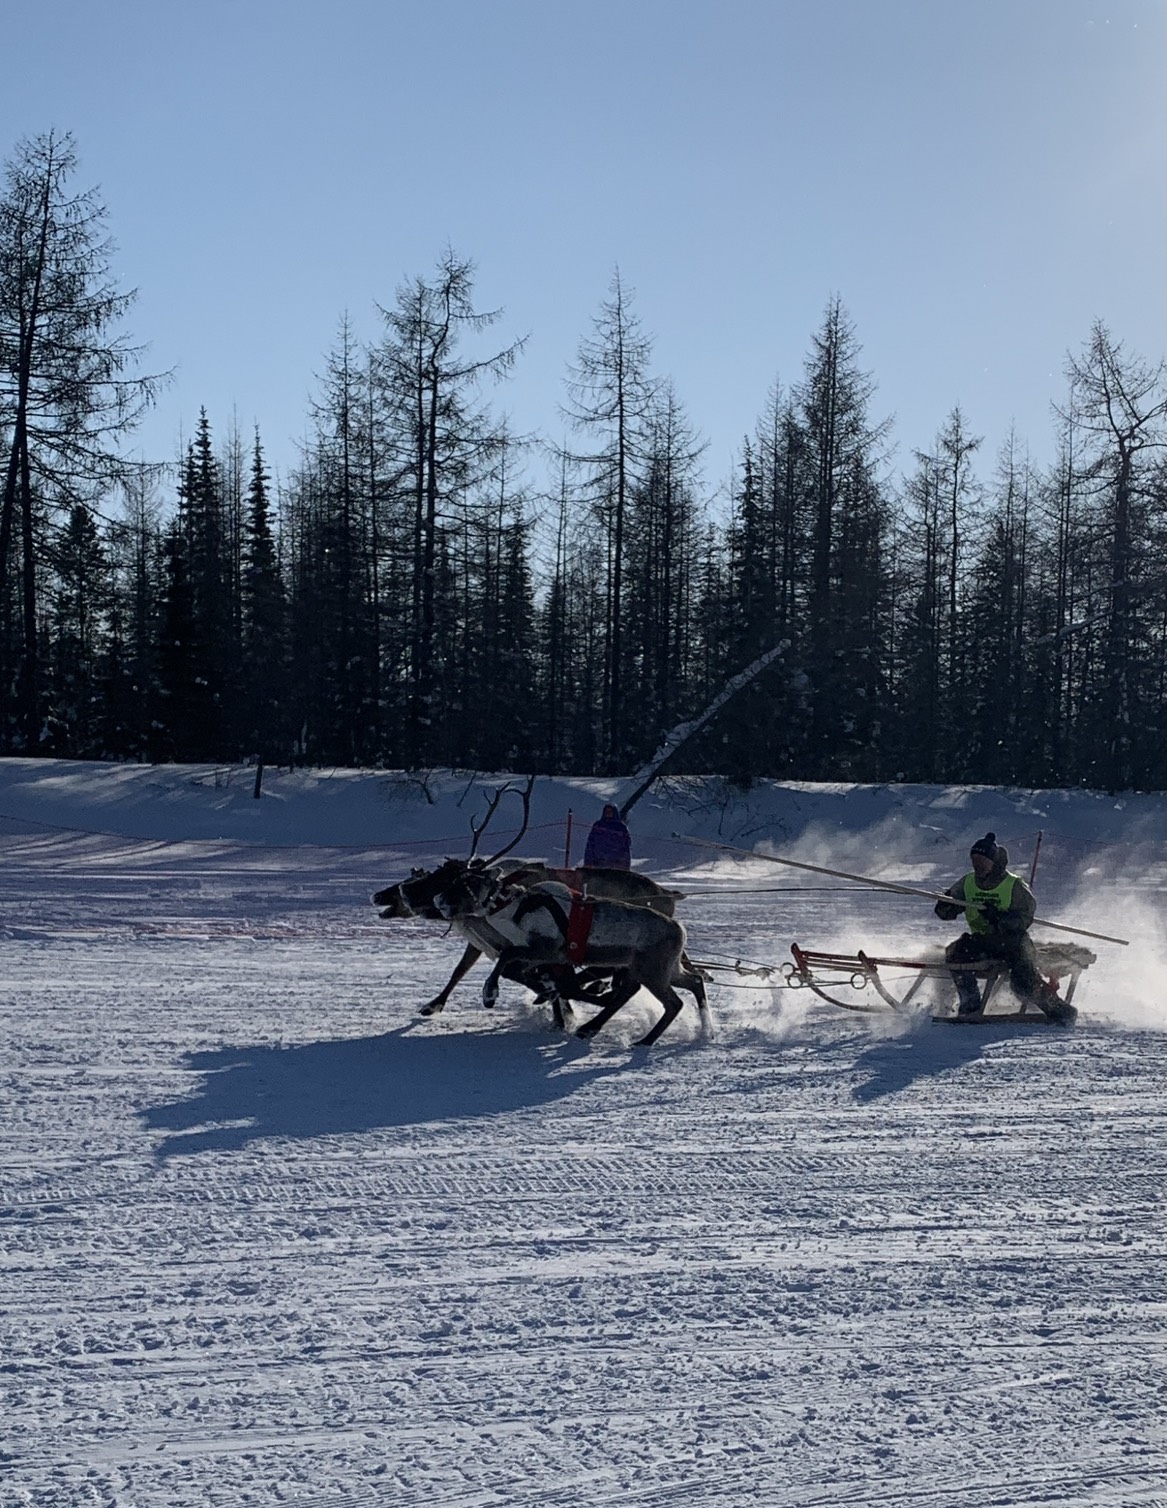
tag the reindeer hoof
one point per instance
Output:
(587, 1031)
(432, 1008)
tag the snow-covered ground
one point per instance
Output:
(267, 1236)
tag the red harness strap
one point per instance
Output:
(579, 927)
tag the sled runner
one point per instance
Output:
(827, 972)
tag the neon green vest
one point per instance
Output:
(1002, 894)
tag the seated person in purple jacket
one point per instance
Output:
(609, 845)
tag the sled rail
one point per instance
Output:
(825, 973)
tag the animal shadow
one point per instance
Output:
(365, 1084)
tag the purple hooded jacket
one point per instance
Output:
(609, 845)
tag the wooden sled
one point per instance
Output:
(825, 973)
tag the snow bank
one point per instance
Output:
(864, 825)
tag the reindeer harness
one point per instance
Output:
(579, 927)
(573, 922)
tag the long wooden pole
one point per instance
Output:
(863, 879)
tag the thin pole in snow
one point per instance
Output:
(1036, 852)
(567, 842)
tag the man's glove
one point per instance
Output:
(992, 913)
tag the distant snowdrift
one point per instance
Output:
(882, 830)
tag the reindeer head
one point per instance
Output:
(416, 895)
(392, 899)
(469, 893)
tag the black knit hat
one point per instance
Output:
(987, 846)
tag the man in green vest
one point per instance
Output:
(998, 927)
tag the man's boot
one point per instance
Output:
(1057, 1010)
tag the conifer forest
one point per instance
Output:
(425, 588)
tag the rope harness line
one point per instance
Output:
(763, 971)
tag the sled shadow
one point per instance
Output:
(365, 1084)
(896, 1063)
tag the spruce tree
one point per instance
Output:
(446, 444)
(81, 600)
(264, 669)
(183, 713)
(1122, 409)
(841, 456)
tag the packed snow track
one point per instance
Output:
(267, 1237)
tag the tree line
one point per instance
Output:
(426, 588)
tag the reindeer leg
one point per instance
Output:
(490, 988)
(660, 969)
(462, 968)
(512, 963)
(672, 1007)
(623, 989)
(551, 984)
(555, 985)
(559, 987)
(690, 978)
(695, 986)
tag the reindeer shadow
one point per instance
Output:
(365, 1084)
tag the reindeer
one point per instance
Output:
(638, 947)
(415, 897)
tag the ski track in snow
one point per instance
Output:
(267, 1237)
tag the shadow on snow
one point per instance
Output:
(895, 1064)
(366, 1083)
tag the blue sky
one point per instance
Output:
(978, 180)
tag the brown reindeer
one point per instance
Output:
(638, 947)
(415, 897)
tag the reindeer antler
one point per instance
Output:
(478, 828)
(525, 797)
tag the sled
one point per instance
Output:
(826, 973)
